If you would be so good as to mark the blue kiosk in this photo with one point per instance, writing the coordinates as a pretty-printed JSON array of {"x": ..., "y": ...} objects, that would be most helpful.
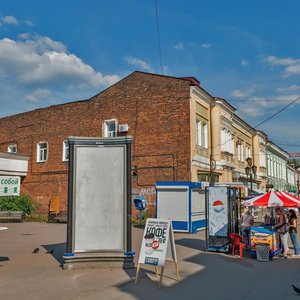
[{"x": 183, "y": 203}]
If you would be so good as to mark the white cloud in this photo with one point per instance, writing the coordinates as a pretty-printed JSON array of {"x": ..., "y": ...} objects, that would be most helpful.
[
  {"x": 24, "y": 36},
  {"x": 10, "y": 20},
  {"x": 137, "y": 62},
  {"x": 258, "y": 106},
  {"x": 246, "y": 93},
  {"x": 44, "y": 61},
  {"x": 273, "y": 60},
  {"x": 244, "y": 63},
  {"x": 38, "y": 71},
  {"x": 291, "y": 65},
  {"x": 291, "y": 88},
  {"x": 179, "y": 46},
  {"x": 28, "y": 22},
  {"x": 38, "y": 94},
  {"x": 206, "y": 46}
]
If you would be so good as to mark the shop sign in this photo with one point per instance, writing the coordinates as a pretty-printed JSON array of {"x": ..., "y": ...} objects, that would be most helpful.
[{"x": 10, "y": 185}]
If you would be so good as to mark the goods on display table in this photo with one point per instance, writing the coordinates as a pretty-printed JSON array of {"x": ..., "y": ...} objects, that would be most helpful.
[{"x": 264, "y": 236}]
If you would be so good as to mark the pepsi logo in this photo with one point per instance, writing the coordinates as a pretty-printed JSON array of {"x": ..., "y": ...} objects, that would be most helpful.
[{"x": 218, "y": 206}]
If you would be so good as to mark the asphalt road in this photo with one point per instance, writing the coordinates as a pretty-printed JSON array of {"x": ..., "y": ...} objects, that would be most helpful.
[{"x": 26, "y": 275}]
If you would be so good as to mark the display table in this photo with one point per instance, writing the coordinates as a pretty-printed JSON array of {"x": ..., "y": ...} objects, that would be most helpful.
[{"x": 264, "y": 235}]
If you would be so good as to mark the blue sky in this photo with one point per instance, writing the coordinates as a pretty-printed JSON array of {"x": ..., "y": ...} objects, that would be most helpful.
[{"x": 246, "y": 52}]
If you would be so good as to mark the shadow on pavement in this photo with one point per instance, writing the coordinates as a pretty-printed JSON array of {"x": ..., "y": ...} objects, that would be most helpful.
[
  {"x": 196, "y": 244},
  {"x": 56, "y": 250}
]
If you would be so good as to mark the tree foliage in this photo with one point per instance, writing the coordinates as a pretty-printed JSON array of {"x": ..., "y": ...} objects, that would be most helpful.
[{"x": 17, "y": 203}]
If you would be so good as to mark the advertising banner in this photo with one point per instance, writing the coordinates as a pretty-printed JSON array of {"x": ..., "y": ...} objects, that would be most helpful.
[
  {"x": 9, "y": 185},
  {"x": 155, "y": 242},
  {"x": 218, "y": 211}
]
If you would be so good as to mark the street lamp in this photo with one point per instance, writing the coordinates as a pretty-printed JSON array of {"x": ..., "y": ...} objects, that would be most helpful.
[
  {"x": 250, "y": 170},
  {"x": 298, "y": 192}
]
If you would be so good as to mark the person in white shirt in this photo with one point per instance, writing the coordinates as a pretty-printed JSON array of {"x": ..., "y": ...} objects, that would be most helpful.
[{"x": 246, "y": 221}]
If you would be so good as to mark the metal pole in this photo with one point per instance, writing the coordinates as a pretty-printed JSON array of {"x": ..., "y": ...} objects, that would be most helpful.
[
  {"x": 128, "y": 196},
  {"x": 250, "y": 183},
  {"x": 70, "y": 198}
]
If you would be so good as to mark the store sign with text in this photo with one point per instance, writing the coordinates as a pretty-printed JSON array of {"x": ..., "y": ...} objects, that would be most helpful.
[{"x": 10, "y": 185}]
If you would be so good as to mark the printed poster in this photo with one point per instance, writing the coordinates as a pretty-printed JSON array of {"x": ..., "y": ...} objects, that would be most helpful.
[
  {"x": 218, "y": 211},
  {"x": 155, "y": 242}
]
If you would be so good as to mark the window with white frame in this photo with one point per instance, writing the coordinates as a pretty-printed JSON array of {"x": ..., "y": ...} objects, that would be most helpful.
[
  {"x": 240, "y": 151},
  {"x": 202, "y": 134},
  {"x": 12, "y": 148},
  {"x": 110, "y": 128},
  {"x": 248, "y": 151},
  {"x": 262, "y": 157},
  {"x": 226, "y": 141},
  {"x": 65, "y": 151},
  {"x": 42, "y": 151}
]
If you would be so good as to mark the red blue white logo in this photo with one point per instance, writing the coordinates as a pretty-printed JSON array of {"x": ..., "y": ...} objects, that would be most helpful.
[{"x": 218, "y": 206}]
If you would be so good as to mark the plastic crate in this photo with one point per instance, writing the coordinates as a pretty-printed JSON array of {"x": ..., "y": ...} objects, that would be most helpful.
[{"x": 262, "y": 252}]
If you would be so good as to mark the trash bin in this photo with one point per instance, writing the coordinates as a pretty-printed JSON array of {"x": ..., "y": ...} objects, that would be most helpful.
[{"x": 262, "y": 252}]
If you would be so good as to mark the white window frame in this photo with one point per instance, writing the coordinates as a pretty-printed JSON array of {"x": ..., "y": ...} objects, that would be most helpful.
[
  {"x": 42, "y": 153},
  {"x": 11, "y": 147},
  {"x": 202, "y": 134},
  {"x": 240, "y": 151},
  {"x": 248, "y": 151},
  {"x": 106, "y": 132},
  {"x": 65, "y": 151}
]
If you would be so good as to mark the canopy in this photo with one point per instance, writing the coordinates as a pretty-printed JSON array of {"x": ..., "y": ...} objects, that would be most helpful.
[{"x": 272, "y": 199}]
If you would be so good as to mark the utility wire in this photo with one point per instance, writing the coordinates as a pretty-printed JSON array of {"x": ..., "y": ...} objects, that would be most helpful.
[
  {"x": 266, "y": 120},
  {"x": 281, "y": 110},
  {"x": 158, "y": 38}
]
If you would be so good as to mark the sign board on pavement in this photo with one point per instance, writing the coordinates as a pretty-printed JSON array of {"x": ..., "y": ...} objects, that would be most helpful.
[{"x": 158, "y": 244}]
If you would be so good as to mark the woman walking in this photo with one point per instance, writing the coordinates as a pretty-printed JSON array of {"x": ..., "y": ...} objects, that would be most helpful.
[
  {"x": 292, "y": 217},
  {"x": 281, "y": 221}
]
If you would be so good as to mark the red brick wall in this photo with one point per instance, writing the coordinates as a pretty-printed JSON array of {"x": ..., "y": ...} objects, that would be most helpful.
[{"x": 157, "y": 111}]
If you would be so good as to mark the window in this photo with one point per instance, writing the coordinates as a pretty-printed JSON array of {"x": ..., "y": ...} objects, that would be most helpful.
[
  {"x": 201, "y": 134},
  {"x": 65, "y": 151},
  {"x": 227, "y": 143},
  {"x": 262, "y": 157},
  {"x": 42, "y": 152},
  {"x": 240, "y": 150},
  {"x": 248, "y": 151},
  {"x": 109, "y": 128},
  {"x": 12, "y": 148}
]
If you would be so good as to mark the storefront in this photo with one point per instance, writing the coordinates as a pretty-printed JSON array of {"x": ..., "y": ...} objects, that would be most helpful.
[{"x": 13, "y": 168}]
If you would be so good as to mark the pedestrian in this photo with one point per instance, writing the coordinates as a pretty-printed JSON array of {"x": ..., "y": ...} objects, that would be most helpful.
[
  {"x": 292, "y": 218},
  {"x": 280, "y": 228},
  {"x": 246, "y": 221}
]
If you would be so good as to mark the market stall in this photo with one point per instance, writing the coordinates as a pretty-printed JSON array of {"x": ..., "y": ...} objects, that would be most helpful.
[{"x": 264, "y": 241}]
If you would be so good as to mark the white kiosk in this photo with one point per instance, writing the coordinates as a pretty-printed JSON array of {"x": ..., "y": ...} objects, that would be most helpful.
[{"x": 183, "y": 203}]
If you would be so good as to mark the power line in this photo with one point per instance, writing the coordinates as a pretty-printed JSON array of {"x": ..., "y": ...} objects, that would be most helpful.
[
  {"x": 275, "y": 114},
  {"x": 266, "y": 120},
  {"x": 259, "y": 100},
  {"x": 158, "y": 38}
]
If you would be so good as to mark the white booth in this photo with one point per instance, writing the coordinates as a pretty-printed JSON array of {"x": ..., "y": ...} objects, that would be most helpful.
[{"x": 183, "y": 203}]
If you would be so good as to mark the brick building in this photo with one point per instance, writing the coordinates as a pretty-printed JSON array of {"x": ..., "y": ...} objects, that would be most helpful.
[
  {"x": 155, "y": 108},
  {"x": 180, "y": 133}
]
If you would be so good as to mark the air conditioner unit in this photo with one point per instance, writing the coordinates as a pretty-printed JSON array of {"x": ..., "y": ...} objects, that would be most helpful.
[{"x": 123, "y": 128}]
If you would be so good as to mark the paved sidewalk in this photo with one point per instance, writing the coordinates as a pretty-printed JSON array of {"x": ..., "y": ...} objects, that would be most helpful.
[{"x": 25, "y": 275}]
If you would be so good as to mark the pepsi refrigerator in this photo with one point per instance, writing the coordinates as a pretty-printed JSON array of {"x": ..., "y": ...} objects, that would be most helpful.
[{"x": 222, "y": 214}]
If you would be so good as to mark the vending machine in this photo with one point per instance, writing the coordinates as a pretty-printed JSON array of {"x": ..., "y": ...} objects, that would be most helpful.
[{"x": 222, "y": 214}]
